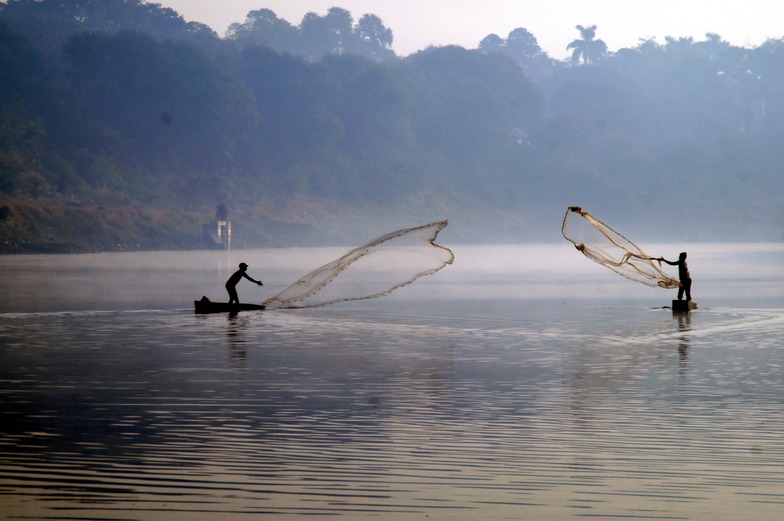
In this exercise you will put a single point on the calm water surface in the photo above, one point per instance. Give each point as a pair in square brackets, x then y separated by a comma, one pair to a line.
[496, 389]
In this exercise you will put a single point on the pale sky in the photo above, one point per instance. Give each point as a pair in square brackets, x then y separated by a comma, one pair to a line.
[621, 23]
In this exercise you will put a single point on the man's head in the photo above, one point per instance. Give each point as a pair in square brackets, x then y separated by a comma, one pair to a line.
[683, 255]
[244, 266]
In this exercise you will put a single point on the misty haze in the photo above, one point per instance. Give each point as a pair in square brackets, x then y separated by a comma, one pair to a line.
[524, 381]
[144, 157]
[124, 126]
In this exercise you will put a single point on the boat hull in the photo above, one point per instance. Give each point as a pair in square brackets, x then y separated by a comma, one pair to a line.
[205, 305]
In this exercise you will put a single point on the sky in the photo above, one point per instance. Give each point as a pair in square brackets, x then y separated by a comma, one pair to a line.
[416, 24]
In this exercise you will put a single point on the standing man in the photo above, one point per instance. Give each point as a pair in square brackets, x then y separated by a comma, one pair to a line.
[683, 275]
[231, 284]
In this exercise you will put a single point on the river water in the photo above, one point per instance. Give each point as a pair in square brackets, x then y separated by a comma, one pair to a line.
[522, 382]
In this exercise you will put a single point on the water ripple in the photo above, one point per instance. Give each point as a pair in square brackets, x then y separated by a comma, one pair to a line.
[393, 413]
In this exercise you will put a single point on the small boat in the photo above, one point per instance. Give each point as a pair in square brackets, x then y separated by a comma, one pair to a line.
[205, 305]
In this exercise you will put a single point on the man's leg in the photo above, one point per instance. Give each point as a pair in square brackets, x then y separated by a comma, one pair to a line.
[233, 297]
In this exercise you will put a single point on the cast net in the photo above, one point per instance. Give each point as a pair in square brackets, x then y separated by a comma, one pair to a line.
[602, 244]
[379, 267]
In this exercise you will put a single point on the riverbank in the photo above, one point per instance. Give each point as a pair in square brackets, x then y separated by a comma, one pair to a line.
[35, 226]
[42, 227]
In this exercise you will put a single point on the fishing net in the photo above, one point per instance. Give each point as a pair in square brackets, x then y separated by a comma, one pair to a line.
[602, 244]
[379, 267]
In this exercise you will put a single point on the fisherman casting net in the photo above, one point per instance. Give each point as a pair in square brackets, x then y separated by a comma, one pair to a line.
[602, 244]
[379, 267]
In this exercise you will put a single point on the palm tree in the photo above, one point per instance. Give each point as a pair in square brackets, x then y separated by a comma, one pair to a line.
[587, 49]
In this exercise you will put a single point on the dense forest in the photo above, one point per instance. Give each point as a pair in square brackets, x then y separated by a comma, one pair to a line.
[123, 126]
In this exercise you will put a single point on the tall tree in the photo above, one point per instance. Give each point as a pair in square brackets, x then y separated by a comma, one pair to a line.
[50, 22]
[588, 48]
[470, 110]
[22, 131]
[522, 45]
[372, 39]
[376, 113]
[492, 43]
[316, 36]
[328, 34]
[168, 99]
[294, 147]
[263, 28]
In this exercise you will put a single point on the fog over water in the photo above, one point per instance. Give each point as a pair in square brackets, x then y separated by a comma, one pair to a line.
[522, 382]
[749, 273]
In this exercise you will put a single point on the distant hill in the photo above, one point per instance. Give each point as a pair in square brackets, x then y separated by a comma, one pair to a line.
[123, 126]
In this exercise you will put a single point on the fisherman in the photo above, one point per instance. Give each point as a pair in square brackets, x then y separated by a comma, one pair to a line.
[231, 284]
[683, 275]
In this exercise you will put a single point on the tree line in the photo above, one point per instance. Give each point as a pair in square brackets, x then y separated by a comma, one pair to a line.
[124, 102]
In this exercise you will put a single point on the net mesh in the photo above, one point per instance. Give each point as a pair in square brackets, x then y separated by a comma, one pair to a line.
[379, 267]
[602, 244]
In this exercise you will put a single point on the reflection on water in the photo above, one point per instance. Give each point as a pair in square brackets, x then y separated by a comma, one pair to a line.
[684, 326]
[495, 409]
[237, 335]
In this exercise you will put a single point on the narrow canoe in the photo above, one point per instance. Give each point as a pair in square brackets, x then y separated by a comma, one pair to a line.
[205, 305]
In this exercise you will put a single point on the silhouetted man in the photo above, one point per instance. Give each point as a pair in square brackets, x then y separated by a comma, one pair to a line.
[231, 284]
[683, 275]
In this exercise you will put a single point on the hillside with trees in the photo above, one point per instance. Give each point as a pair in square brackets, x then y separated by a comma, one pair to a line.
[123, 126]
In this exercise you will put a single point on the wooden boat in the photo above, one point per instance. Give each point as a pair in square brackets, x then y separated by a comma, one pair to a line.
[205, 305]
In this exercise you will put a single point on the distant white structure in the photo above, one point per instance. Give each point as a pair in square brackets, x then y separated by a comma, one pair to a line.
[224, 234]
[217, 234]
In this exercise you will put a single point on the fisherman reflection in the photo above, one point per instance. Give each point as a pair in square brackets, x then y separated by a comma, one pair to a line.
[231, 284]
[238, 351]
[684, 326]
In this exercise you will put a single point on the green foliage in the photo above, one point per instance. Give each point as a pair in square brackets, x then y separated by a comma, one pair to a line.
[470, 109]
[51, 22]
[167, 98]
[587, 49]
[120, 102]
[316, 36]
